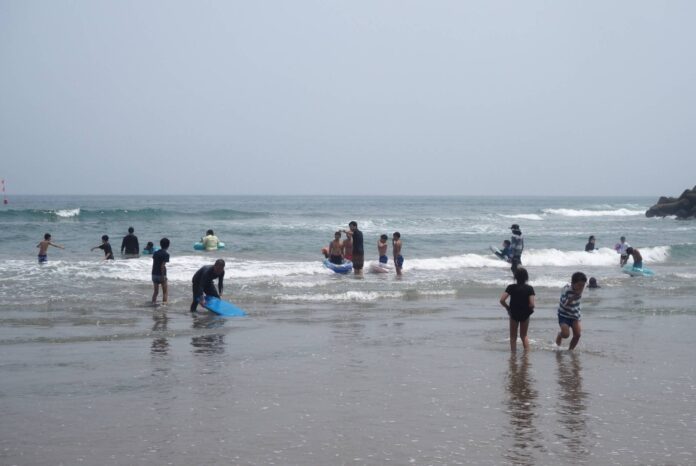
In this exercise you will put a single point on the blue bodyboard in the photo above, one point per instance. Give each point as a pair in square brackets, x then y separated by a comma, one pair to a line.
[223, 308]
[634, 272]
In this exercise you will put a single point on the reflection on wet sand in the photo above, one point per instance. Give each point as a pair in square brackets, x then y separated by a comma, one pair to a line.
[211, 343]
[522, 408]
[572, 407]
[160, 344]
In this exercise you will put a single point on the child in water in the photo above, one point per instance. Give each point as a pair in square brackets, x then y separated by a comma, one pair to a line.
[106, 247]
[521, 307]
[43, 248]
[569, 309]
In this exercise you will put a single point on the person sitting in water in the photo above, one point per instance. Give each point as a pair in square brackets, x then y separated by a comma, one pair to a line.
[593, 283]
[149, 248]
[336, 249]
[637, 258]
[210, 241]
[382, 249]
[590, 246]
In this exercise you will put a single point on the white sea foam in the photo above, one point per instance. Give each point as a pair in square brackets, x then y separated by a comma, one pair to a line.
[67, 213]
[525, 216]
[182, 268]
[540, 282]
[594, 213]
[455, 262]
[348, 296]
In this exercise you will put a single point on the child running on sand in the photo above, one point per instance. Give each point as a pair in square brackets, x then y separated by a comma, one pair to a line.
[520, 308]
[569, 309]
[43, 248]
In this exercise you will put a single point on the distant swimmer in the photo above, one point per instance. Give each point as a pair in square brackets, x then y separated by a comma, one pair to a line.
[621, 249]
[210, 241]
[521, 307]
[159, 271]
[130, 244]
[590, 246]
[149, 248]
[382, 249]
[396, 250]
[358, 250]
[202, 283]
[593, 283]
[106, 247]
[336, 249]
[637, 257]
[569, 310]
[43, 248]
[516, 247]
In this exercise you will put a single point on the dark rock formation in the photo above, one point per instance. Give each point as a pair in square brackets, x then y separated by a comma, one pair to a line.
[683, 206]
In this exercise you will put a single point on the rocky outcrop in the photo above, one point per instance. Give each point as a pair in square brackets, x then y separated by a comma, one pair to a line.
[683, 206]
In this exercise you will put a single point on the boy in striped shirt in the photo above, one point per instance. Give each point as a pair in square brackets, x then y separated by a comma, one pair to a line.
[569, 309]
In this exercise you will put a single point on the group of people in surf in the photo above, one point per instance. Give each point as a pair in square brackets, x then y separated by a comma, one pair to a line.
[351, 249]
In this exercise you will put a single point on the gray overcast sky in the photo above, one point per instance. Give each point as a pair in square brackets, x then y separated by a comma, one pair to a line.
[352, 97]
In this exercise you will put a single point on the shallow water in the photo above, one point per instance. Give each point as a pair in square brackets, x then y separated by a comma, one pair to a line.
[330, 369]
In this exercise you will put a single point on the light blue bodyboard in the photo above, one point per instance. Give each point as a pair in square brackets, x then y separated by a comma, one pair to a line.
[223, 308]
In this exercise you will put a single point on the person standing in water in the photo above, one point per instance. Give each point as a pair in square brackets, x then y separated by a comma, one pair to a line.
[159, 271]
[130, 245]
[590, 246]
[358, 251]
[516, 247]
[521, 307]
[348, 248]
[382, 249]
[621, 249]
[43, 248]
[336, 249]
[396, 250]
[106, 247]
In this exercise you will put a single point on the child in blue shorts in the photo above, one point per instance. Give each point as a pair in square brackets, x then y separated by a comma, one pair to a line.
[569, 309]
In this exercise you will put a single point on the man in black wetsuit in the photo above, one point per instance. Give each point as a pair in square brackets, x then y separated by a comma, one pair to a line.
[203, 283]
[130, 244]
[358, 251]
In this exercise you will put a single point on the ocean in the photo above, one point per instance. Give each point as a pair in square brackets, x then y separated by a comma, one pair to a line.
[333, 369]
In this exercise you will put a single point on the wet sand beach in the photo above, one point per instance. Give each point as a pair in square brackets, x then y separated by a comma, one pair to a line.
[413, 382]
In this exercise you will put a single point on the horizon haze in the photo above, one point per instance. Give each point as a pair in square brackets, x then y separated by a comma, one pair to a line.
[366, 98]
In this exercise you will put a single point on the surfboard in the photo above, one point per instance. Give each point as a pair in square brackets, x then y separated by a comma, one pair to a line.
[498, 253]
[634, 272]
[223, 308]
